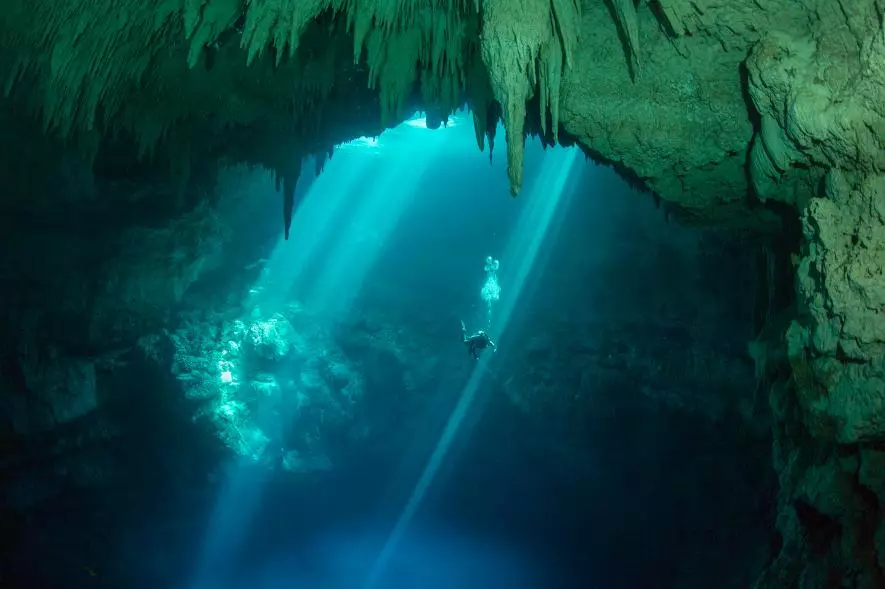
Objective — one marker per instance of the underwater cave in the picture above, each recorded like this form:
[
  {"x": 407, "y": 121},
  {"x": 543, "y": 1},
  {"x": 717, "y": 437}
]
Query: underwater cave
[{"x": 433, "y": 294}]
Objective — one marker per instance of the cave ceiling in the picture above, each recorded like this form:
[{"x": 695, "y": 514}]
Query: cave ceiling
[{"x": 658, "y": 88}]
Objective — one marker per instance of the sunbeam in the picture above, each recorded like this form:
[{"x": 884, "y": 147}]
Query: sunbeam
[
  {"x": 370, "y": 216},
  {"x": 549, "y": 192},
  {"x": 345, "y": 218},
  {"x": 339, "y": 229}
]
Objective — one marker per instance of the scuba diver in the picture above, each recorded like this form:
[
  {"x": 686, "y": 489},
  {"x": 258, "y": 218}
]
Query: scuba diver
[{"x": 477, "y": 342}]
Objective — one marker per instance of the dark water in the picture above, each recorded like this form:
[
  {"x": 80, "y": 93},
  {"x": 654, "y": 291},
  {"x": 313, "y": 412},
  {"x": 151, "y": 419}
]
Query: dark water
[{"x": 632, "y": 493}]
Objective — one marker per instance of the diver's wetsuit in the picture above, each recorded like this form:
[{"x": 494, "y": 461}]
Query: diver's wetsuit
[{"x": 477, "y": 342}]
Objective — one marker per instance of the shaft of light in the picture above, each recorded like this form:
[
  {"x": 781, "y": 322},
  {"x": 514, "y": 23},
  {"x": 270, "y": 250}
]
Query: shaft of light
[{"x": 547, "y": 194}]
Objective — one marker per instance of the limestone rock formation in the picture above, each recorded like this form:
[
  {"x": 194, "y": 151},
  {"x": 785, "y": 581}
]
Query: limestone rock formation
[
  {"x": 819, "y": 148},
  {"x": 272, "y": 393}
]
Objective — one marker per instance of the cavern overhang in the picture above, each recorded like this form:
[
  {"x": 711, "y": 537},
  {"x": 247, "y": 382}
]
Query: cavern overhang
[{"x": 268, "y": 83}]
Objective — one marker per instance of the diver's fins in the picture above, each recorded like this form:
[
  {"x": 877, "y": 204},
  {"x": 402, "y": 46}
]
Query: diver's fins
[{"x": 463, "y": 327}]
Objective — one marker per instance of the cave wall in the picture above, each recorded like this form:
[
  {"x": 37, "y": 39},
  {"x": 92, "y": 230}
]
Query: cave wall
[
  {"x": 820, "y": 147},
  {"x": 91, "y": 263},
  {"x": 104, "y": 469}
]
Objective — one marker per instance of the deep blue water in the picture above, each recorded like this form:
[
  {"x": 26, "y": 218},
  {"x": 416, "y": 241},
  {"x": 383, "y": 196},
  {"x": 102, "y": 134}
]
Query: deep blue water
[{"x": 638, "y": 500}]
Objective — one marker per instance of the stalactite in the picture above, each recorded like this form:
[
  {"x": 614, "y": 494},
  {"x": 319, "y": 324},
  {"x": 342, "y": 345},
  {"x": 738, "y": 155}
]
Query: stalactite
[
  {"x": 479, "y": 126},
  {"x": 122, "y": 65},
  {"x": 393, "y": 68},
  {"x": 625, "y": 13},
  {"x": 550, "y": 77},
  {"x": 287, "y": 180},
  {"x": 515, "y": 33},
  {"x": 672, "y": 12},
  {"x": 320, "y": 158},
  {"x": 479, "y": 93},
  {"x": 205, "y": 20},
  {"x": 567, "y": 18},
  {"x": 492, "y": 118}
]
